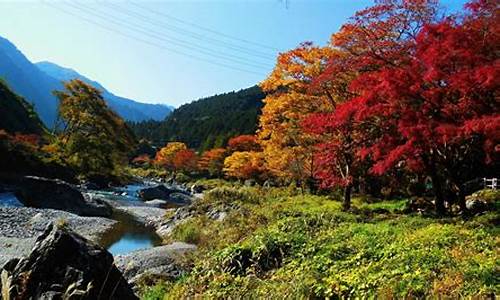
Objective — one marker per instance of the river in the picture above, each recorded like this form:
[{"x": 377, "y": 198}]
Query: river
[{"x": 128, "y": 235}]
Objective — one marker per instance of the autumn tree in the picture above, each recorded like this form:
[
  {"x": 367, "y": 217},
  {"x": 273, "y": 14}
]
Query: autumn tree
[
  {"x": 245, "y": 165},
  {"x": 93, "y": 139},
  {"x": 245, "y": 142},
  {"x": 438, "y": 112},
  {"x": 185, "y": 160},
  {"x": 142, "y": 160},
  {"x": 166, "y": 155},
  {"x": 212, "y": 161},
  {"x": 381, "y": 35},
  {"x": 288, "y": 150}
]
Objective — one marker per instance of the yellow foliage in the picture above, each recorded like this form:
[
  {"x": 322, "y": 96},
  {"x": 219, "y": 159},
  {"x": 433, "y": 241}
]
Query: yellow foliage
[
  {"x": 287, "y": 148},
  {"x": 244, "y": 165}
]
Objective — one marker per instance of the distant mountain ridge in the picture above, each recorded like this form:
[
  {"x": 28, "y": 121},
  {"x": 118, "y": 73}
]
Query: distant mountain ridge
[
  {"x": 28, "y": 81},
  {"x": 128, "y": 109},
  {"x": 36, "y": 86},
  {"x": 208, "y": 122}
]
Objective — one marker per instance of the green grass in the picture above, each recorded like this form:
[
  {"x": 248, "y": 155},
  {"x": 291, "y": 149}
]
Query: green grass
[{"x": 287, "y": 245}]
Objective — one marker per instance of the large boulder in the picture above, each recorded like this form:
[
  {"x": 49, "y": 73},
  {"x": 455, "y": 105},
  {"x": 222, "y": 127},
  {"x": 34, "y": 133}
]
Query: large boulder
[
  {"x": 41, "y": 192},
  {"x": 180, "y": 199},
  {"x": 158, "y": 263},
  {"x": 64, "y": 265},
  {"x": 156, "y": 192},
  {"x": 173, "y": 196}
]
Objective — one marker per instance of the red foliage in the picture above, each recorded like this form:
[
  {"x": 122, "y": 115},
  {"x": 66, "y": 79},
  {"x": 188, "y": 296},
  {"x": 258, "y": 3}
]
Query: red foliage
[
  {"x": 243, "y": 143},
  {"x": 27, "y": 139},
  {"x": 424, "y": 94},
  {"x": 439, "y": 102}
]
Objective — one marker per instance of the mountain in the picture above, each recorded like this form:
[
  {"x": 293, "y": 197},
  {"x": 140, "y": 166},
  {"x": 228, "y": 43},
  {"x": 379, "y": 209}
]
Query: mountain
[
  {"x": 36, "y": 86},
  {"x": 16, "y": 114},
  {"x": 207, "y": 122},
  {"x": 28, "y": 81},
  {"x": 128, "y": 109}
]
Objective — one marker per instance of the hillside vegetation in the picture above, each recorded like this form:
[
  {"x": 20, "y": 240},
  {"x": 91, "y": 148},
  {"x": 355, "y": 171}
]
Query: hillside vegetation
[
  {"x": 281, "y": 244},
  {"x": 209, "y": 122},
  {"x": 16, "y": 114}
]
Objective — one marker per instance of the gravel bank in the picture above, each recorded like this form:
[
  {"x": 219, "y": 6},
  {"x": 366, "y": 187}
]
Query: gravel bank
[{"x": 19, "y": 227}]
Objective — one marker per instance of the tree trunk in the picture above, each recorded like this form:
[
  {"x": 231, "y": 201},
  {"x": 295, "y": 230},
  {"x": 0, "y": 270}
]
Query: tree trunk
[
  {"x": 460, "y": 197},
  {"x": 438, "y": 193},
  {"x": 346, "y": 204},
  {"x": 461, "y": 201}
]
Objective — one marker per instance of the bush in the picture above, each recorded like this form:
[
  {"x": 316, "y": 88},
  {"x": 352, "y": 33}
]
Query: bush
[
  {"x": 231, "y": 195},
  {"x": 189, "y": 232}
]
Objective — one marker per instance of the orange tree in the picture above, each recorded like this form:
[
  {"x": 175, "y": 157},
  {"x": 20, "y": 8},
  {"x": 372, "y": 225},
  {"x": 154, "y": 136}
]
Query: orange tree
[
  {"x": 212, "y": 161},
  {"x": 165, "y": 156},
  {"x": 185, "y": 160}
]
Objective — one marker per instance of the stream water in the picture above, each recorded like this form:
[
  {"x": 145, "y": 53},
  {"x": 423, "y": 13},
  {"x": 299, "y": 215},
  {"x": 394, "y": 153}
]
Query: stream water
[{"x": 128, "y": 235}]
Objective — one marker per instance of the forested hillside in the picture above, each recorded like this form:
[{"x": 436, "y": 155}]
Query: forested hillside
[
  {"x": 209, "y": 122},
  {"x": 16, "y": 114}
]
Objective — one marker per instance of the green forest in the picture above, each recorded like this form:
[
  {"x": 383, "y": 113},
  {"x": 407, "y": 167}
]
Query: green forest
[{"x": 206, "y": 123}]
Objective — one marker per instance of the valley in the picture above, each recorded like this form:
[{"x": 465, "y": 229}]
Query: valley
[{"x": 365, "y": 166}]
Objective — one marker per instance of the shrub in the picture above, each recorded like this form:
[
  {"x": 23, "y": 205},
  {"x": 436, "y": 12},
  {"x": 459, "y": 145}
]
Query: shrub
[
  {"x": 189, "y": 232},
  {"x": 231, "y": 195}
]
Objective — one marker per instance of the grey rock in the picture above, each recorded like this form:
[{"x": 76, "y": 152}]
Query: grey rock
[
  {"x": 180, "y": 216},
  {"x": 63, "y": 261},
  {"x": 196, "y": 188},
  {"x": 161, "y": 192},
  {"x": 41, "y": 192},
  {"x": 158, "y": 262},
  {"x": 477, "y": 206},
  {"x": 180, "y": 199},
  {"x": 149, "y": 216},
  {"x": 250, "y": 182},
  {"x": 19, "y": 227}
]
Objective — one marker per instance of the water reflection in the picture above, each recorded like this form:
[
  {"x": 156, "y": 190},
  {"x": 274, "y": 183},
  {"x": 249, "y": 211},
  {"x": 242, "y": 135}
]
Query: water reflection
[
  {"x": 9, "y": 200},
  {"x": 128, "y": 235}
]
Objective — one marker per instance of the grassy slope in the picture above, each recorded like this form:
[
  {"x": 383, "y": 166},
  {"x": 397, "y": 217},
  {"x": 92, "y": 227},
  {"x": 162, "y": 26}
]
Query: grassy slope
[{"x": 284, "y": 245}]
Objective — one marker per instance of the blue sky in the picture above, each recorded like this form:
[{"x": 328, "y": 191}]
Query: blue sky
[{"x": 172, "y": 52}]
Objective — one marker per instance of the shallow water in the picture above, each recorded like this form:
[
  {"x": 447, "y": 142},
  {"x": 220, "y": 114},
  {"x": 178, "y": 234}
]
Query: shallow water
[
  {"x": 128, "y": 235},
  {"x": 9, "y": 200}
]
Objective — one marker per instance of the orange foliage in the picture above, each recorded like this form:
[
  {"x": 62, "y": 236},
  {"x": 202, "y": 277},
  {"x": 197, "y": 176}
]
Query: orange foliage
[
  {"x": 165, "y": 156},
  {"x": 212, "y": 161},
  {"x": 185, "y": 160}
]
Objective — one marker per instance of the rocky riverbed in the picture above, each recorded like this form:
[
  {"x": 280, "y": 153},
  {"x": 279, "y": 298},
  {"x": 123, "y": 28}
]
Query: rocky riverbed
[
  {"x": 130, "y": 223},
  {"x": 19, "y": 227}
]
